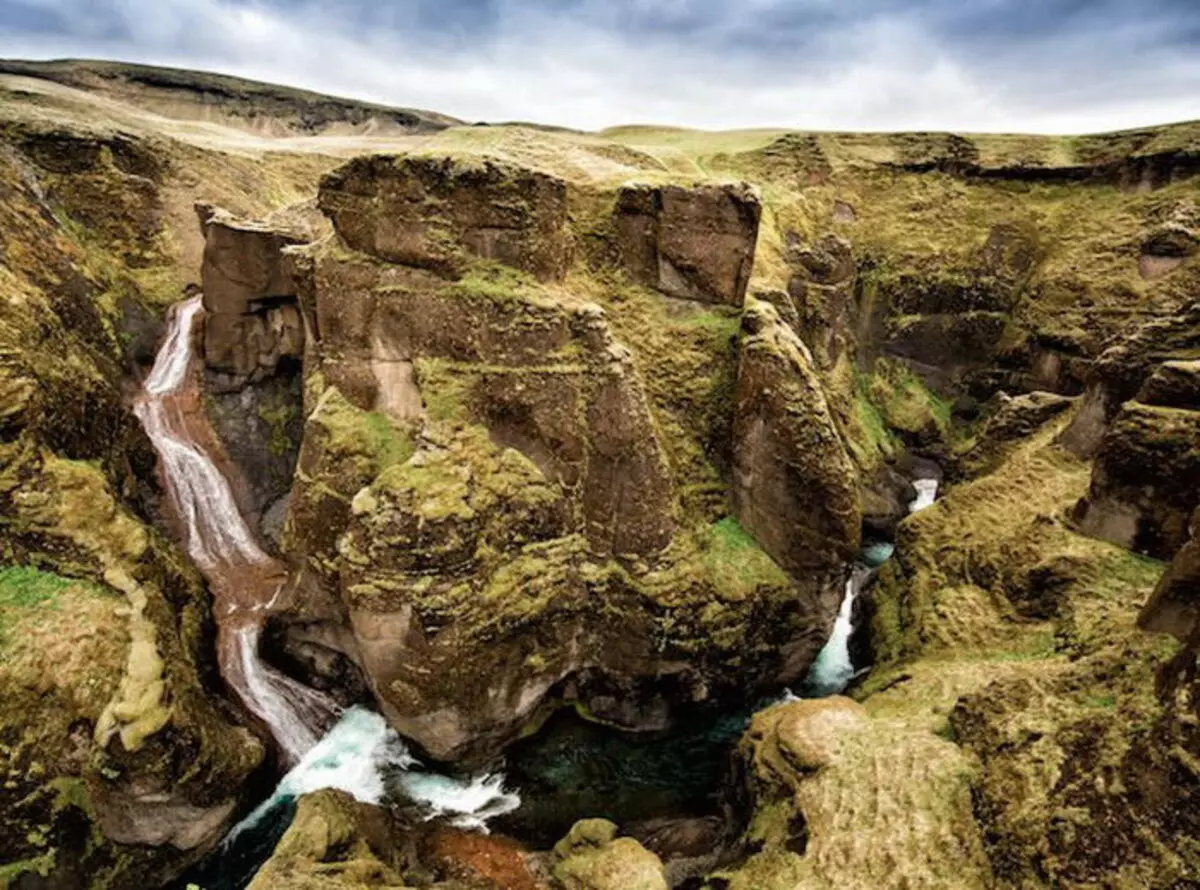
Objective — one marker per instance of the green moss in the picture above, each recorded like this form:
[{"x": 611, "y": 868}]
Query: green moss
[
  {"x": 369, "y": 434},
  {"x": 877, "y": 437},
  {"x": 444, "y": 391},
  {"x": 41, "y": 865},
  {"x": 496, "y": 282},
  {"x": 735, "y": 562},
  {"x": 23, "y": 588},
  {"x": 277, "y": 418},
  {"x": 902, "y": 400}
]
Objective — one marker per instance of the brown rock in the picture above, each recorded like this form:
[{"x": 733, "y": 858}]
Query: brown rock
[
  {"x": 251, "y": 317},
  {"x": 695, "y": 244},
  {"x": 1174, "y": 384},
  {"x": 431, "y": 212},
  {"x": 1145, "y": 479},
  {"x": 1174, "y": 607},
  {"x": 795, "y": 487},
  {"x": 828, "y": 260}
]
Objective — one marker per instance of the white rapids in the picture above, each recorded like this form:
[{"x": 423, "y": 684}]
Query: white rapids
[
  {"x": 833, "y": 669},
  {"x": 927, "y": 490},
  {"x": 356, "y": 756}
]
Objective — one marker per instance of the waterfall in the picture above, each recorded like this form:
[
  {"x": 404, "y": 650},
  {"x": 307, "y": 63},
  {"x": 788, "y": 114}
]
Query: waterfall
[
  {"x": 833, "y": 669},
  {"x": 361, "y": 754},
  {"x": 243, "y": 578},
  {"x": 927, "y": 490}
]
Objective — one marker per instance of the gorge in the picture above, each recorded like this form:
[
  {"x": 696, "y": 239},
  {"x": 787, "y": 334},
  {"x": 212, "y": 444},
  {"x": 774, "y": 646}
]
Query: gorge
[{"x": 387, "y": 501}]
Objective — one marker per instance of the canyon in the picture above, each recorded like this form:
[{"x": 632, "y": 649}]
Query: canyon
[{"x": 759, "y": 509}]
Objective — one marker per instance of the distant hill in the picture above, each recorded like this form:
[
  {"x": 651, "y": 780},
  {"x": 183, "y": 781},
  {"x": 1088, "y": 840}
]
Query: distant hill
[{"x": 194, "y": 95}]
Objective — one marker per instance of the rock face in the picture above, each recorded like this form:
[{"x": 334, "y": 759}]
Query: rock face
[
  {"x": 251, "y": 320},
  {"x": 795, "y": 488},
  {"x": 430, "y": 212},
  {"x": 488, "y": 488},
  {"x": 1174, "y": 608},
  {"x": 1144, "y": 480},
  {"x": 118, "y": 761},
  {"x": 695, "y": 244}
]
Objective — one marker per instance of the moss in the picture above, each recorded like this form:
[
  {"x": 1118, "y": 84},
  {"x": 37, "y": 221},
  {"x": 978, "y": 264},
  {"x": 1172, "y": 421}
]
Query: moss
[
  {"x": 734, "y": 563},
  {"x": 497, "y": 282},
  {"x": 23, "y": 587},
  {"x": 444, "y": 392},
  {"x": 902, "y": 401},
  {"x": 41, "y": 865},
  {"x": 277, "y": 418}
]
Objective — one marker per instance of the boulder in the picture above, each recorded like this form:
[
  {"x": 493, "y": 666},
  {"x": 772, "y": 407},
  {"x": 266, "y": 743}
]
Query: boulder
[
  {"x": 433, "y": 212},
  {"x": 1144, "y": 480},
  {"x": 592, "y": 857},
  {"x": 252, "y": 321},
  {"x": 333, "y": 843},
  {"x": 691, "y": 243}
]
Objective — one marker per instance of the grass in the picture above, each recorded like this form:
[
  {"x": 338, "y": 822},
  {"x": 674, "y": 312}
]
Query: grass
[
  {"x": 23, "y": 588},
  {"x": 734, "y": 562}
]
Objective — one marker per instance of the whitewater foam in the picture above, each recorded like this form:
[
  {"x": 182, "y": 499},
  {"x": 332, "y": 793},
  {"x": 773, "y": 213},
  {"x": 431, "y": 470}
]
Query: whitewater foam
[
  {"x": 927, "y": 490},
  {"x": 358, "y": 756}
]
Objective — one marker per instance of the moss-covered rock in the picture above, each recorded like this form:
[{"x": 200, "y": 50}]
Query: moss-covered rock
[
  {"x": 1145, "y": 479},
  {"x": 334, "y": 843},
  {"x": 592, "y": 857},
  {"x": 845, "y": 799},
  {"x": 432, "y": 212}
]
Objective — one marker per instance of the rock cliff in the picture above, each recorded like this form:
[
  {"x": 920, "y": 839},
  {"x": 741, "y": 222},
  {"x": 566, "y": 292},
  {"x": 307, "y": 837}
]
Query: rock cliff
[{"x": 541, "y": 420}]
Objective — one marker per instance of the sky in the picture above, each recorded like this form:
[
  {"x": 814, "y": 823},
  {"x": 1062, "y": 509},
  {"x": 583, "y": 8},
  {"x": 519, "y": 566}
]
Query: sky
[{"x": 1049, "y": 66}]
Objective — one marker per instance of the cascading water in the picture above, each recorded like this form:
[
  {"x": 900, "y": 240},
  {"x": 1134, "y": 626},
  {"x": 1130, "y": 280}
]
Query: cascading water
[
  {"x": 243, "y": 578},
  {"x": 361, "y": 751},
  {"x": 833, "y": 669},
  {"x": 927, "y": 490},
  {"x": 366, "y": 758}
]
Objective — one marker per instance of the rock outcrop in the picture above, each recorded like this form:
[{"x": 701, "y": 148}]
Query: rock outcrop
[
  {"x": 431, "y": 212},
  {"x": 486, "y": 485},
  {"x": 795, "y": 488},
  {"x": 691, "y": 243},
  {"x": 849, "y": 800},
  {"x": 251, "y": 320},
  {"x": 1144, "y": 480},
  {"x": 1174, "y": 607}
]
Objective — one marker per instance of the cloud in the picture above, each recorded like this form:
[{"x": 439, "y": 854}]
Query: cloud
[{"x": 1055, "y": 66}]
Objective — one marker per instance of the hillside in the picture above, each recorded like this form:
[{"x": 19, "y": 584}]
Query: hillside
[{"x": 548, "y": 445}]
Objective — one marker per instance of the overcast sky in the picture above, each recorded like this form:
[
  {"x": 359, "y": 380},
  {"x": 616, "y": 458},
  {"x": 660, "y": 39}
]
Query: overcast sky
[{"x": 999, "y": 65}]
